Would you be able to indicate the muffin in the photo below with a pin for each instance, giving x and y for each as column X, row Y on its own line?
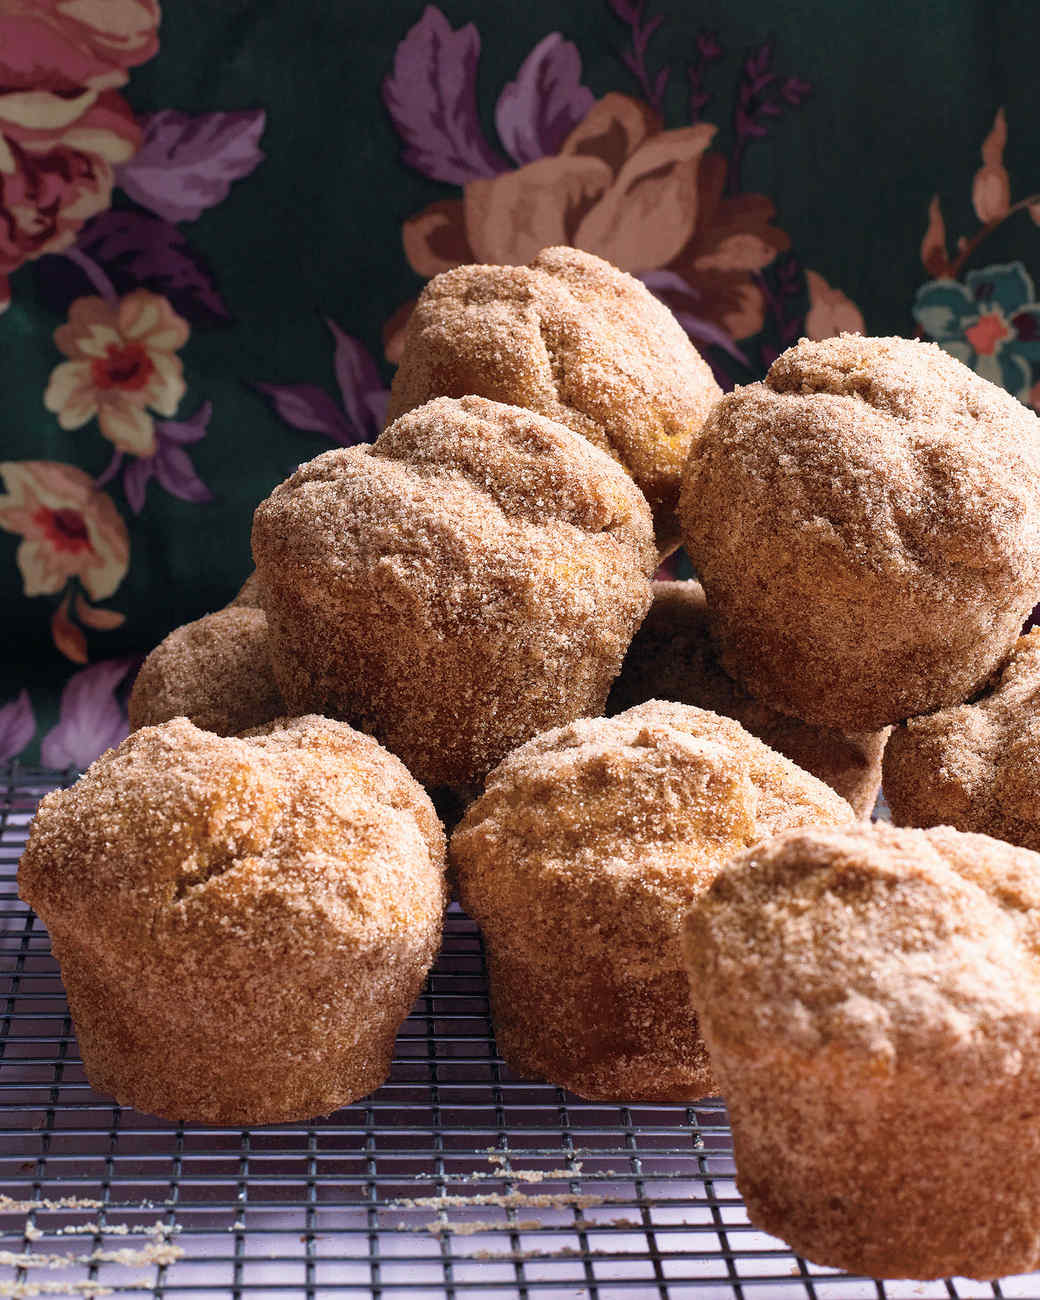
column 976, row 766
column 871, row 1001
column 248, row 593
column 579, row 863
column 573, row 338
column 216, row 672
column 866, row 524
column 242, row 924
column 672, row 658
column 472, row 578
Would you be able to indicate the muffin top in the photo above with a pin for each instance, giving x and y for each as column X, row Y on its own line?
column 622, row 821
column 866, row 524
column 672, row 658
column 975, row 766
column 450, row 506
column 301, row 837
column 574, row 338
column 215, row 672
column 868, row 949
column 880, row 453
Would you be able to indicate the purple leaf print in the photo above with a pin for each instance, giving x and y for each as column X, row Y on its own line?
column 193, row 429
column 188, row 161
column 170, row 465
column 91, row 719
column 635, row 58
column 758, row 61
column 175, row 472
column 709, row 47
column 683, row 298
column 536, row 112
column 709, row 50
column 794, row 90
column 431, row 96
column 136, row 250
column 760, row 96
column 360, row 384
column 17, row 726
column 306, row 406
column 375, row 403
column 135, row 482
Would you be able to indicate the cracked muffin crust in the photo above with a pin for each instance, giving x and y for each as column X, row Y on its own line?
column 871, row 1000
column 242, row 924
column 575, row 339
column 866, row 524
column 216, row 672
column 470, row 579
column 672, row 658
column 976, row 766
column 579, row 863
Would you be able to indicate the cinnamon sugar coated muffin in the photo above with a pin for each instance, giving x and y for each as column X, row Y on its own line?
column 574, row 338
column 216, row 672
column 871, row 1001
column 473, row 577
column 672, row 658
column 976, row 766
column 248, row 593
column 579, row 863
column 866, row 524
column 242, row 924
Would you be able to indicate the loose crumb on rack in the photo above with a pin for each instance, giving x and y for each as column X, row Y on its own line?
column 155, row 1252
column 522, row 1256
column 536, row 1175
column 20, row 1290
column 158, row 1229
column 472, row 1227
column 583, row 1225
column 162, row 1253
column 515, row 1175
column 9, row 1206
column 506, row 1200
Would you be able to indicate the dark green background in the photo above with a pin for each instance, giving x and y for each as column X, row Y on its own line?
column 903, row 95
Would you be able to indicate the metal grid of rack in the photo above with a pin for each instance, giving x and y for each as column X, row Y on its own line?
column 455, row 1179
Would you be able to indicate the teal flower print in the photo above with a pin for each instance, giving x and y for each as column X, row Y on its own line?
column 991, row 322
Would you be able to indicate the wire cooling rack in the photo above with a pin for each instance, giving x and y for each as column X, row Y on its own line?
column 455, row 1179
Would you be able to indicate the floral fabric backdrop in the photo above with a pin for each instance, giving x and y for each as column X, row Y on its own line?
column 214, row 222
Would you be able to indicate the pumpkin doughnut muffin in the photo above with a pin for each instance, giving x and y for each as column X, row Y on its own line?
column 976, row 766
column 579, row 863
column 216, row 672
column 866, row 524
column 473, row 577
column 242, row 924
column 248, row 593
column 574, row 338
column 871, row 1001
column 672, row 658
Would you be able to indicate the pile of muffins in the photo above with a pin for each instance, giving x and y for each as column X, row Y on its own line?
column 659, row 791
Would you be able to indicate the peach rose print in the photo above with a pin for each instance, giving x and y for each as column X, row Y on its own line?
column 830, row 311
column 621, row 186
column 49, row 46
column 123, row 364
column 63, row 129
column 72, row 537
column 51, row 183
column 605, row 175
